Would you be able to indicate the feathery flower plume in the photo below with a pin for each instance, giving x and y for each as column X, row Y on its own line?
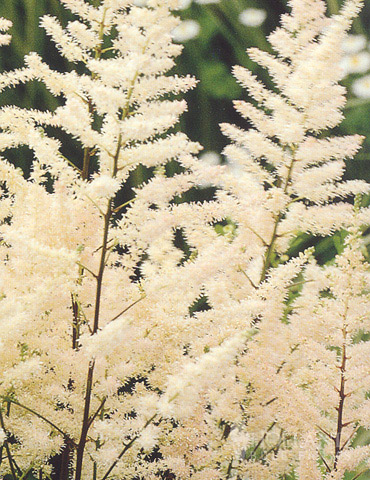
column 106, row 370
column 93, row 284
column 280, row 398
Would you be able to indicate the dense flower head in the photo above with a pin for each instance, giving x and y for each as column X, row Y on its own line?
column 87, row 277
column 150, row 336
column 279, row 401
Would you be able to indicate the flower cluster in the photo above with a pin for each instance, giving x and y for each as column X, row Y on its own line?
column 356, row 60
column 111, row 365
column 285, row 397
column 93, row 284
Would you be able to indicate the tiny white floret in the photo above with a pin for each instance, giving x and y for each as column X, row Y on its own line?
column 103, row 186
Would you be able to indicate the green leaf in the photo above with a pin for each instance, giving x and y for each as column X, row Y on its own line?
column 217, row 81
column 28, row 476
column 338, row 240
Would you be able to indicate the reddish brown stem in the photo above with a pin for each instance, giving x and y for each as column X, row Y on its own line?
column 99, row 283
column 340, row 408
column 76, row 321
column 6, row 444
column 66, row 461
column 85, row 423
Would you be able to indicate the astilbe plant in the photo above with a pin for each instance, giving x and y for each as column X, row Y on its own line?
column 288, row 392
column 95, row 296
column 105, row 372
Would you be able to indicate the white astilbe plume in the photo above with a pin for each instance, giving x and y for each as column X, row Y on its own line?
column 276, row 407
column 313, row 378
column 295, row 174
column 105, row 358
column 95, row 295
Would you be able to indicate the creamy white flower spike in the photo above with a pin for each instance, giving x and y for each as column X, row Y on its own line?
column 285, row 379
column 94, row 284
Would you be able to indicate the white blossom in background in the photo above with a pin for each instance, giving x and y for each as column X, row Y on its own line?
column 361, row 87
column 184, row 4
column 206, row 2
column 354, row 44
column 356, row 59
column 252, row 17
column 211, row 158
column 187, row 30
column 234, row 167
column 355, row 63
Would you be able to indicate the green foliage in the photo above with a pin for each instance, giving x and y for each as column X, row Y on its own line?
column 217, row 82
column 27, row 476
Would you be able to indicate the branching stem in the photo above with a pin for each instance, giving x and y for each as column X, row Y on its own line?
column 328, row 469
column 15, row 402
column 6, row 444
column 127, row 308
column 260, row 441
column 85, row 423
column 360, row 473
column 101, row 406
column 342, row 397
column 279, row 217
column 248, row 278
column 127, row 447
